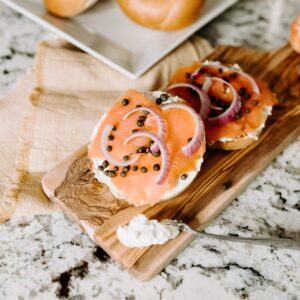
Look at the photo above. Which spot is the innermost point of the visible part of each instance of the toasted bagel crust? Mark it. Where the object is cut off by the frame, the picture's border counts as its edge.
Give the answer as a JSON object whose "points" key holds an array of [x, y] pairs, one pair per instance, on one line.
{"points": [[66, 8], [239, 142], [162, 15]]}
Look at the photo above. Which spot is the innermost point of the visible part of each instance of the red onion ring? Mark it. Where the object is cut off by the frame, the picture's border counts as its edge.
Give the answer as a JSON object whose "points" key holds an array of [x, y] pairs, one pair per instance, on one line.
{"points": [[229, 114], [224, 68], [103, 144], [213, 107], [252, 81], [203, 97], [160, 122], [191, 147], [165, 155]]}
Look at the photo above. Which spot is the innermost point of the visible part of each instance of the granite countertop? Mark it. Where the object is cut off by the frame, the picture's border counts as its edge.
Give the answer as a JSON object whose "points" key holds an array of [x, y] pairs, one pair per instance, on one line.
{"points": [[46, 257]]}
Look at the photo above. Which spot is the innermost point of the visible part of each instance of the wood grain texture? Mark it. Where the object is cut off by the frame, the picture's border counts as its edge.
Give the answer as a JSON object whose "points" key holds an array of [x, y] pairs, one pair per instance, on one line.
{"points": [[91, 205]]}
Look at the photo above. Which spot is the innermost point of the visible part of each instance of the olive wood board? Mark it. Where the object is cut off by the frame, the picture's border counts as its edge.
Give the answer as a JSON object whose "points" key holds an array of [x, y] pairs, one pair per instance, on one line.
{"points": [[90, 204]]}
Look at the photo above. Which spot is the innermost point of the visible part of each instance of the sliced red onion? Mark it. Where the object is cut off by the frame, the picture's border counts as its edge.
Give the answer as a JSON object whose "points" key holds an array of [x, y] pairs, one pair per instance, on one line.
{"points": [[160, 122], [196, 72], [235, 105], [252, 81], [191, 147], [213, 107], [224, 68], [165, 155], [203, 97], [207, 84], [103, 144]]}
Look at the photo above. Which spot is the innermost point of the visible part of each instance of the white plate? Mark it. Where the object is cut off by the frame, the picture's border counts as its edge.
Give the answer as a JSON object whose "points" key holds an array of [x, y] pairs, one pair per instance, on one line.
{"points": [[107, 34]]}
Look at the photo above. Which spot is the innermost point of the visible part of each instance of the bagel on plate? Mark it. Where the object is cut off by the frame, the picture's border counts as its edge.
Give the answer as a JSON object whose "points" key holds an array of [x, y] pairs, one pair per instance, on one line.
{"points": [[162, 15], [67, 8]]}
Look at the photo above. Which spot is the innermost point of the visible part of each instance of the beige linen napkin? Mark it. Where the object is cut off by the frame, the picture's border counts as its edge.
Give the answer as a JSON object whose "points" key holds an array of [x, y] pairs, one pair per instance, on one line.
{"points": [[71, 91]]}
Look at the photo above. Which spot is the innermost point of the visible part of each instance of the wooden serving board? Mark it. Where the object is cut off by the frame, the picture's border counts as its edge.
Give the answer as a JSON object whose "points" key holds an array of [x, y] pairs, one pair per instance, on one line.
{"points": [[72, 185]]}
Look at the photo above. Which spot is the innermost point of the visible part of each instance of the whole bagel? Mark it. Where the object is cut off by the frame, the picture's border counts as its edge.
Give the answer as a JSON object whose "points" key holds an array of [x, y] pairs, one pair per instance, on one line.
{"points": [[67, 8], [162, 14], [295, 35]]}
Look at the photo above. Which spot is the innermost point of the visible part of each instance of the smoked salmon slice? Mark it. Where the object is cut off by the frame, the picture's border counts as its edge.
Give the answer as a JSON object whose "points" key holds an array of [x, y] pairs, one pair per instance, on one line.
{"points": [[255, 106], [140, 116]]}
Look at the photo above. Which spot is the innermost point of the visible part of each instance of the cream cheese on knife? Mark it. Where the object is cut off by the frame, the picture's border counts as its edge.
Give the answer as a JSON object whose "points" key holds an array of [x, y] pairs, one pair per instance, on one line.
{"points": [[141, 232]]}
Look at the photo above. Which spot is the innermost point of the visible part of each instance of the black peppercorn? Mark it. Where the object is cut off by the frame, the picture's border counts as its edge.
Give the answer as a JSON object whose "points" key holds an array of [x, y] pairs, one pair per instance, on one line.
{"points": [[141, 149], [140, 123], [164, 97], [238, 115], [233, 75], [126, 169], [125, 102], [158, 101], [156, 167], [242, 91], [144, 169], [142, 118], [105, 164], [183, 176], [112, 174], [156, 154]]}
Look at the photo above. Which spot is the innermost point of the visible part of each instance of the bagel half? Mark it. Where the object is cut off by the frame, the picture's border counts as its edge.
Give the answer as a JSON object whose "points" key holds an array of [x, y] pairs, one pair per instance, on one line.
{"points": [[256, 101], [67, 8], [162, 15], [134, 187]]}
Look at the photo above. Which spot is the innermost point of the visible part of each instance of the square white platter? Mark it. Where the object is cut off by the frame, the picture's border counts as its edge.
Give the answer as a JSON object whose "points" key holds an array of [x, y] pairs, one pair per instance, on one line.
{"points": [[106, 33]]}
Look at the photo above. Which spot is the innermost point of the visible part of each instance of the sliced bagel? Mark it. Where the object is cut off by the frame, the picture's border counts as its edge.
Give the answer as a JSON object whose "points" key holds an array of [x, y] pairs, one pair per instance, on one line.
{"points": [[137, 182], [66, 8], [228, 130]]}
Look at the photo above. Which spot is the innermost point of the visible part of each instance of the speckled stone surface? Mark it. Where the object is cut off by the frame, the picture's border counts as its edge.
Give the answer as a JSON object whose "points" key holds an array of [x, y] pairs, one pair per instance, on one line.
{"points": [[47, 257]]}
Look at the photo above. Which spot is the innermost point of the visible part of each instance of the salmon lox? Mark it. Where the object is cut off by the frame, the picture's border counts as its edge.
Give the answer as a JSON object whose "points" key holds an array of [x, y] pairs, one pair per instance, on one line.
{"points": [[136, 183], [254, 109]]}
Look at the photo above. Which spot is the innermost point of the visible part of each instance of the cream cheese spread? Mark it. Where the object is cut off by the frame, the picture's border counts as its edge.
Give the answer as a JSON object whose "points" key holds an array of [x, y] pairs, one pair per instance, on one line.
{"points": [[141, 232]]}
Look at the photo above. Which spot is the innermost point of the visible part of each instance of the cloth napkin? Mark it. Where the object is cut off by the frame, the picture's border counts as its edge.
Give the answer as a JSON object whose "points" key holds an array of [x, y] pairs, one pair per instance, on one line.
{"points": [[54, 109]]}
